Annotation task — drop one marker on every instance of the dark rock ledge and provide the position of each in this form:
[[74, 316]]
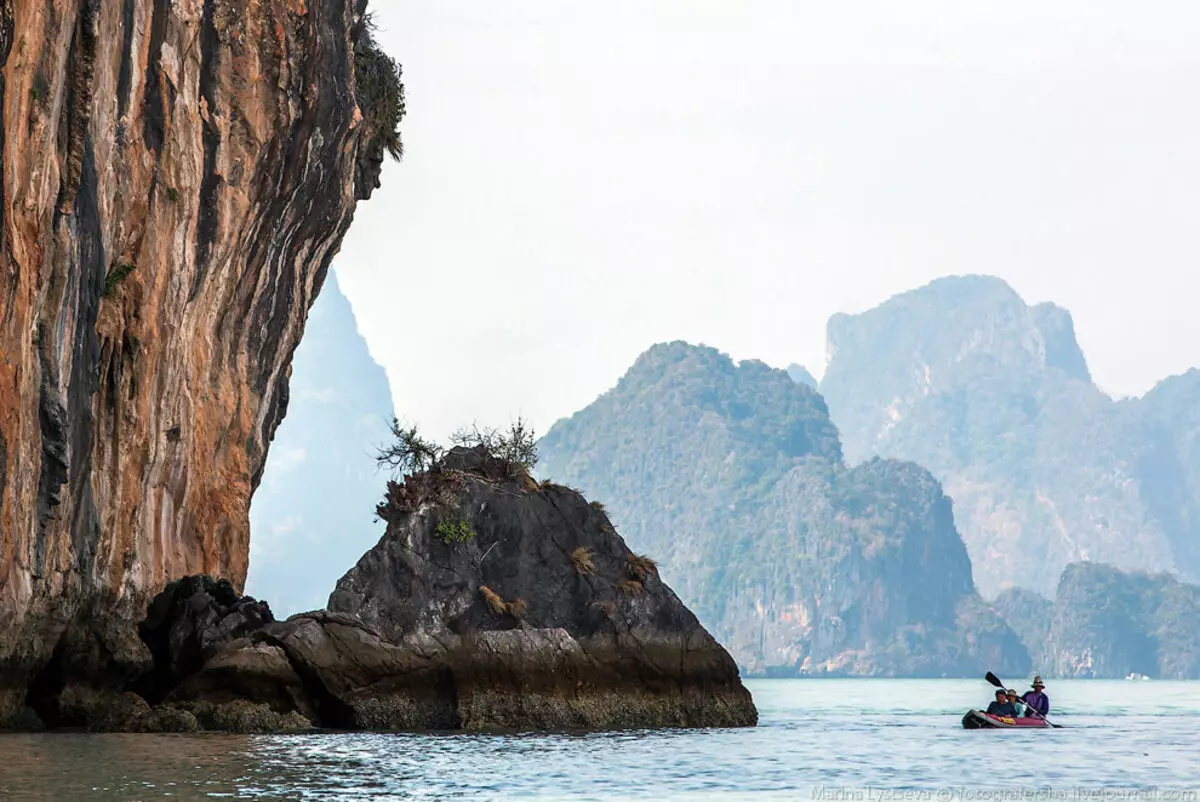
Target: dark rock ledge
[[491, 602]]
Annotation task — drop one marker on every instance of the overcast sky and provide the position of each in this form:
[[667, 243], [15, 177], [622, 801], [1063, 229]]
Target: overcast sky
[[583, 180]]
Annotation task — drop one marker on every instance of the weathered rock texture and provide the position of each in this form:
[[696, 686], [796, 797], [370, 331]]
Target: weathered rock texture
[[491, 602], [543, 615], [176, 178]]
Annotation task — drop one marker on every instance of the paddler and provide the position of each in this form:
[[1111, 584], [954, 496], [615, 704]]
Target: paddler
[[1001, 707], [1015, 701], [1037, 700]]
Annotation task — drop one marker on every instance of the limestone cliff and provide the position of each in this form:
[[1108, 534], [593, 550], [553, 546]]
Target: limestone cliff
[[1106, 624], [176, 178], [994, 397], [733, 475]]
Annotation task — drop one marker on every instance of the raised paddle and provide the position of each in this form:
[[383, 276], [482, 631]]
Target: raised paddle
[[992, 678]]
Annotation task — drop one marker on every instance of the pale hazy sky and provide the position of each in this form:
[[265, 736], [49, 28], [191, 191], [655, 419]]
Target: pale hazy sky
[[583, 180]]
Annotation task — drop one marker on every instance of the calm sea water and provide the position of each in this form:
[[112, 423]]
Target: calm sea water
[[818, 740]]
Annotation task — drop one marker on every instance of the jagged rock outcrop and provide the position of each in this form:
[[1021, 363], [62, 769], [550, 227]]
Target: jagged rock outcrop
[[732, 473], [541, 613], [491, 602], [1106, 623], [313, 515], [994, 397], [176, 178]]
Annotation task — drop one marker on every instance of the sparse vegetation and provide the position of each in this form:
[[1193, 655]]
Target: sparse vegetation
[[516, 608], [607, 606], [630, 586], [493, 600], [641, 567], [379, 89], [581, 558], [597, 506], [39, 91], [116, 274], [517, 445], [453, 530], [409, 452]]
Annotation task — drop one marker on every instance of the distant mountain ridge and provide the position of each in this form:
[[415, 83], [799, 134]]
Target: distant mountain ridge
[[1108, 624], [731, 475], [994, 397], [313, 515]]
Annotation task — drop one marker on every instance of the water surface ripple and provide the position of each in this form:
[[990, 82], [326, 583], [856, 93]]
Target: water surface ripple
[[818, 739]]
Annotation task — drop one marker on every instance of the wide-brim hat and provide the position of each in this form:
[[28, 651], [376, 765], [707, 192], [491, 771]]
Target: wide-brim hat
[[1037, 682]]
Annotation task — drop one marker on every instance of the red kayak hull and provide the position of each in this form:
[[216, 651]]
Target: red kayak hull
[[977, 720]]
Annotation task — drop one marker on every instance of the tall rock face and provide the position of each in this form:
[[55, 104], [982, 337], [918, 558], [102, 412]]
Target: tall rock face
[[1106, 624], [732, 475], [995, 398], [313, 515], [176, 178]]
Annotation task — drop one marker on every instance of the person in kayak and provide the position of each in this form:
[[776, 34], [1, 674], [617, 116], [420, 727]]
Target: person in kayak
[[1015, 701], [1037, 700], [1001, 707]]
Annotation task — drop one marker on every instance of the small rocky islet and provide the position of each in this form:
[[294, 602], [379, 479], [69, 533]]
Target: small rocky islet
[[492, 602]]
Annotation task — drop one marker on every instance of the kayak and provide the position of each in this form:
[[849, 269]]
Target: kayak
[[976, 720]]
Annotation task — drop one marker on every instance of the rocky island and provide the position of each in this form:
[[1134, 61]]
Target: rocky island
[[801, 564], [994, 396], [1105, 623]]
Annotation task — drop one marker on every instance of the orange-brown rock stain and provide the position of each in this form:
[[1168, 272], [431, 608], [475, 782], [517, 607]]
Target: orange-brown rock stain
[[213, 150]]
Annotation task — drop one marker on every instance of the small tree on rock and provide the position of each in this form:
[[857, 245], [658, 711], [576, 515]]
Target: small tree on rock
[[517, 445], [408, 452]]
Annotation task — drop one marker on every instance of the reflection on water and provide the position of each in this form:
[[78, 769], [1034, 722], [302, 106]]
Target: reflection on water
[[830, 734]]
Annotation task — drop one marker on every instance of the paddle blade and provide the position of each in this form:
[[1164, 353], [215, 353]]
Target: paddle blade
[[992, 678]]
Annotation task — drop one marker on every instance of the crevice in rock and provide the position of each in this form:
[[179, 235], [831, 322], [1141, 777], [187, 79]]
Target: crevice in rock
[[206, 225], [125, 74], [52, 419], [78, 109], [45, 689], [332, 712], [154, 114]]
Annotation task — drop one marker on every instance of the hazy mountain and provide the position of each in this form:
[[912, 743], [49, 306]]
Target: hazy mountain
[[800, 375], [1107, 623], [731, 476], [313, 516], [994, 397]]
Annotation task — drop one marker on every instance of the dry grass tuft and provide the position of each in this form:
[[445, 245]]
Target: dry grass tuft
[[494, 602], [607, 607], [528, 483], [582, 560], [641, 566], [630, 586], [598, 506], [517, 607]]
